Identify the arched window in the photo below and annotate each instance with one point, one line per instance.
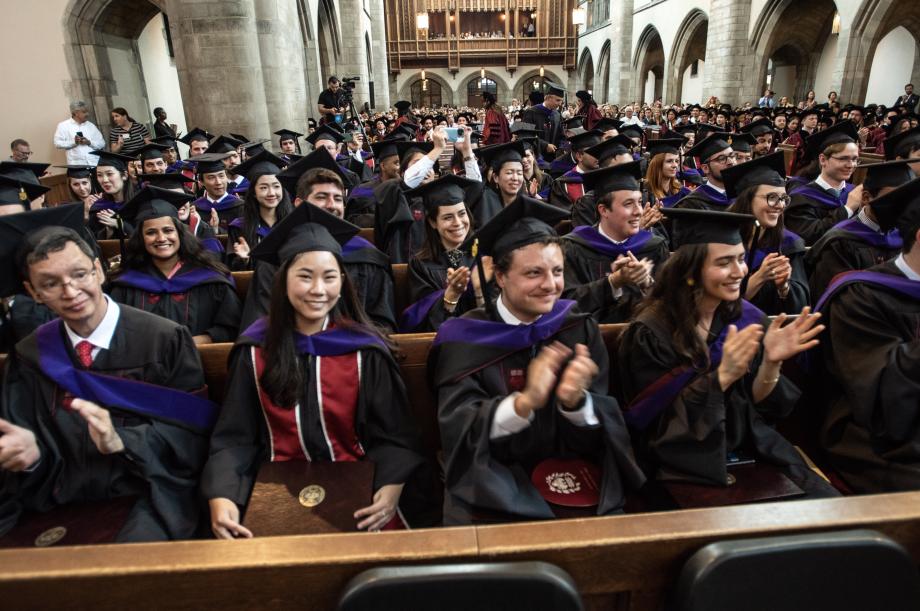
(426, 94)
(475, 89)
(537, 83)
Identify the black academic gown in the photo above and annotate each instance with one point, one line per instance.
(584, 212)
(161, 461)
(492, 477)
(872, 352)
(399, 229)
(812, 211)
(235, 231)
(689, 440)
(548, 122)
(484, 203)
(427, 280)
(839, 251)
(211, 307)
(370, 273)
(384, 427)
(25, 316)
(587, 264)
(359, 209)
(767, 298)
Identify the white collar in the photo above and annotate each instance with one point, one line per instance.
(865, 220)
(600, 230)
(907, 270)
(215, 201)
(101, 337)
(505, 314)
(826, 185)
(715, 188)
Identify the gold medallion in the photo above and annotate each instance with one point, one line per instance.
(50, 536)
(312, 495)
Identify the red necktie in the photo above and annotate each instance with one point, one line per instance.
(84, 353)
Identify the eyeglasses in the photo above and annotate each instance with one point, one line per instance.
(78, 279)
(777, 200)
(724, 158)
(846, 160)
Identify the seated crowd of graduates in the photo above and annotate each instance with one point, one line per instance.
(724, 268)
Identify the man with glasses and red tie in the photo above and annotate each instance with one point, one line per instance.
(829, 199)
(101, 406)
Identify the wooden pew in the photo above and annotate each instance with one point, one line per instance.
(788, 155)
(859, 174)
(625, 562)
(242, 281)
(60, 189)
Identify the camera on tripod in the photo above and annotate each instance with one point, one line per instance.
(348, 87)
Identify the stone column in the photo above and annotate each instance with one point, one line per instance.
(380, 65)
(281, 50)
(729, 59)
(353, 58)
(621, 28)
(219, 64)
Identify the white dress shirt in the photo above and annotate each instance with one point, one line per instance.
(415, 173)
(826, 185)
(506, 422)
(101, 337)
(907, 270)
(78, 154)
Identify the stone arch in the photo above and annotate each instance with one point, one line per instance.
(586, 71)
(89, 27)
(689, 47)
(648, 58)
(797, 32)
(503, 94)
(602, 78)
(447, 92)
(520, 85)
(328, 39)
(874, 20)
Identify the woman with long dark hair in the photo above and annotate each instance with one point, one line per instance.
(112, 175)
(127, 136)
(495, 129)
(504, 179)
(442, 280)
(165, 270)
(776, 281)
(265, 204)
(587, 108)
(315, 370)
(701, 368)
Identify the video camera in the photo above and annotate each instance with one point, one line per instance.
(348, 88)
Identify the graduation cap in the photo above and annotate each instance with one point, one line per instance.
(153, 203)
(239, 137)
(709, 146)
(114, 160)
(766, 170)
(573, 122)
(611, 147)
(522, 222)
(14, 230)
(900, 144)
(743, 143)
(325, 133)
(15, 191)
(24, 172)
(521, 127)
(887, 174)
(631, 131)
(808, 112)
(168, 141)
(197, 134)
(622, 177)
(685, 128)
(170, 180)
(554, 89)
(690, 226)
(497, 154)
(703, 129)
(320, 158)
(288, 134)
(535, 97)
(78, 171)
(224, 144)
(757, 128)
(407, 131)
(254, 147)
(392, 146)
(265, 162)
(841, 133)
(899, 208)
(724, 113)
(683, 112)
(403, 106)
(664, 145)
(206, 163)
(308, 228)
(585, 140)
(445, 191)
(151, 151)
(606, 124)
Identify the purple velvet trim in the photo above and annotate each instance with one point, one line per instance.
(591, 237)
(180, 283)
(900, 284)
(510, 337)
(332, 342)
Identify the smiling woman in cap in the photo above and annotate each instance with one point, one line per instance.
(777, 281)
(166, 272)
(112, 176)
(317, 372)
(524, 384)
(699, 366)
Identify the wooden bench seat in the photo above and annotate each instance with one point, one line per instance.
(622, 562)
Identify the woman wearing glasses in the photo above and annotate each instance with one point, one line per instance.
(828, 199)
(776, 280)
